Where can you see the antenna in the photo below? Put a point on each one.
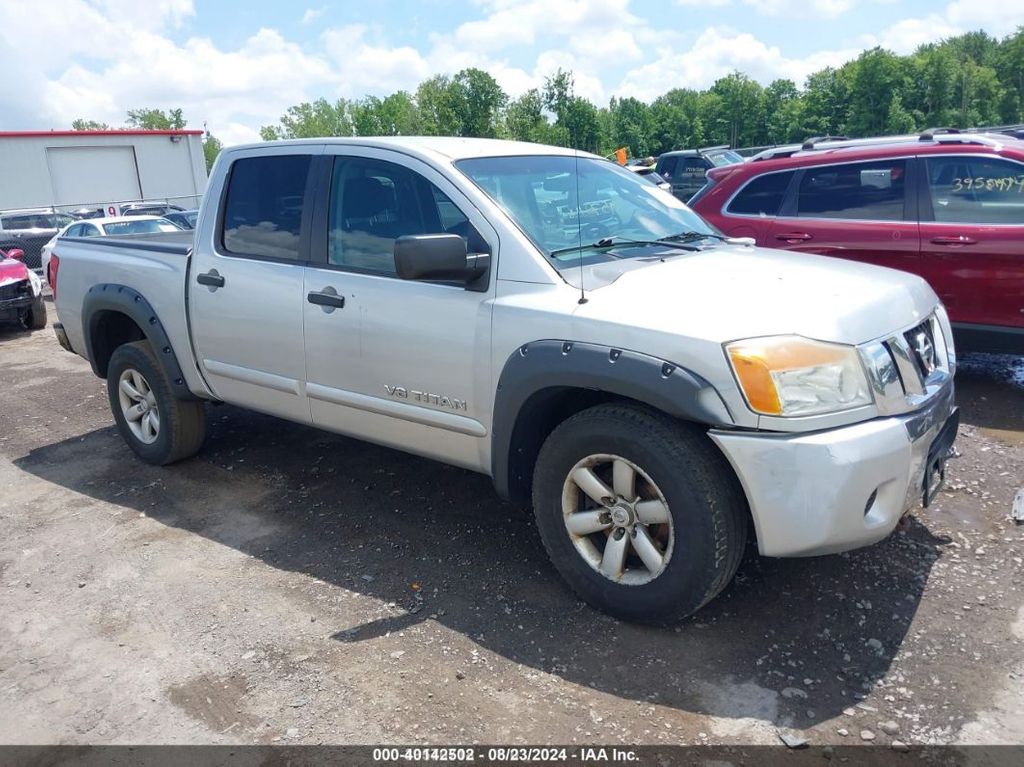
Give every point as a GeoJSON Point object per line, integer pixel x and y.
{"type": "Point", "coordinates": [579, 213]}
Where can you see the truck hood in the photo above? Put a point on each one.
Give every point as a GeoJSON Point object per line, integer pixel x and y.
{"type": "Point", "coordinates": [12, 270]}
{"type": "Point", "coordinates": [731, 292]}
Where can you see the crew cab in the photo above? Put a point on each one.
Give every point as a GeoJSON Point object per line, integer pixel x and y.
{"type": "Point", "coordinates": [945, 205]}
{"type": "Point", "coordinates": [543, 317]}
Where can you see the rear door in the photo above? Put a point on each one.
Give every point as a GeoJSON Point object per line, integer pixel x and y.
{"type": "Point", "coordinates": [861, 211]}
{"type": "Point", "coordinates": [972, 237]}
{"type": "Point", "coordinates": [246, 280]}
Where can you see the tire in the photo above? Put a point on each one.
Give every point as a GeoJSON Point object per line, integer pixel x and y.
{"type": "Point", "coordinates": [179, 427]}
{"type": "Point", "coordinates": [698, 540]}
{"type": "Point", "coordinates": [37, 315]}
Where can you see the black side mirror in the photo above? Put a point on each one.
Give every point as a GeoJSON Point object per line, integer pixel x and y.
{"type": "Point", "coordinates": [440, 257]}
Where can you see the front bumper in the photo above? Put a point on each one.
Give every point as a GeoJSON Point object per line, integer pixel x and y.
{"type": "Point", "coordinates": [838, 489]}
{"type": "Point", "coordinates": [10, 307]}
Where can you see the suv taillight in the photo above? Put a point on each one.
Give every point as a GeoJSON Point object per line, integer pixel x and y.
{"type": "Point", "coordinates": [51, 273]}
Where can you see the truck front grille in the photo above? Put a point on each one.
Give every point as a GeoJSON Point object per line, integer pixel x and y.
{"type": "Point", "coordinates": [910, 367]}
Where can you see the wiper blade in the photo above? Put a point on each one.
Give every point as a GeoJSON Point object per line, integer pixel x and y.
{"type": "Point", "coordinates": [693, 235]}
{"type": "Point", "coordinates": [612, 242]}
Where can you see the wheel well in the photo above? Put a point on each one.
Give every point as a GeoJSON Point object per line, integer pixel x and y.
{"type": "Point", "coordinates": [109, 330]}
{"type": "Point", "coordinates": [537, 418]}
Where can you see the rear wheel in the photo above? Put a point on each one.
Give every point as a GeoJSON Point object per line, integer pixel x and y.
{"type": "Point", "coordinates": [639, 512]}
{"type": "Point", "coordinates": [159, 428]}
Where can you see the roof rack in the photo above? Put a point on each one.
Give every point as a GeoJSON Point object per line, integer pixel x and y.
{"type": "Point", "coordinates": [931, 133]}
{"type": "Point", "coordinates": [814, 140]}
{"type": "Point", "coordinates": [824, 143]}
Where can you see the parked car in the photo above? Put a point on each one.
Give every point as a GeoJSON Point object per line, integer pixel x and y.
{"type": "Point", "coordinates": [28, 230]}
{"type": "Point", "coordinates": [685, 169]}
{"type": "Point", "coordinates": [647, 173]}
{"type": "Point", "coordinates": [105, 227]}
{"type": "Point", "coordinates": [947, 206]}
{"type": "Point", "coordinates": [21, 292]}
{"type": "Point", "coordinates": [186, 219]}
{"type": "Point", "coordinates": [84, 213]}
{"type": "Point", "coordinates": [149, 209]}
{"type": "Point", "coordinates": [648, 389]}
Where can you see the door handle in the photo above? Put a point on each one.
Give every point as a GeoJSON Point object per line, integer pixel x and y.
{"type": "Point", "coordinates": [794, 237]}
{"type": "Point", "coordinates": [211, 279]}
{"type": "Point", "coordinates": [323, 298]}
{"type": "Point", "coordinates": [960, 240]}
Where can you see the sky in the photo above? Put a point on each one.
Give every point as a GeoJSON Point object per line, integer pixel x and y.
{"type": "Point", "coordinates": [238, 64]}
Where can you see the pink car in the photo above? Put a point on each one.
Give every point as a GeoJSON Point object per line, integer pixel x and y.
{"type": "Point", "coordinates": [21, 293]}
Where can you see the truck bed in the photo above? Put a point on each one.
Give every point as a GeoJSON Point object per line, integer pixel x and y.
{"type": "Point", "coordinates": [171, 243]}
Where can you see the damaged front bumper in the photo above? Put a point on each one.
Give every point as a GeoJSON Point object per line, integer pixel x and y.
{"type": "Point", "coordinates": [843, 488]}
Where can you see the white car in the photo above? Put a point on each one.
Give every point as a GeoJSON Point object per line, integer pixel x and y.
{"type": "Point", "coordinates": [105, 227]}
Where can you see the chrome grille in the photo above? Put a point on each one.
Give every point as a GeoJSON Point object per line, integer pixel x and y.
{"type": "Point", "coordinates": [909, 367]}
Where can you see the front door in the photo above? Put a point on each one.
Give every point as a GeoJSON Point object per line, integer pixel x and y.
{"type": "Point", "coordinates": [246, 281]}
{"type": "Point", "coordinates": [972, 237]}
{"type": "Point", "coordinates": [859, 211]}
{"type": "Point", "coordinates": [401, 363]}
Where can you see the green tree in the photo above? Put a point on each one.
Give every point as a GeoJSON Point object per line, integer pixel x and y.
{"type": "Point", "coordinates": [312, 120]}
{"type": "Point", "coordinates": [82, 124]}
{"type": "Point", "coordinates": [211, 148]}
{"type": "Point", "coordinates": [739, 111]}
{"type": "Point", "coordinates": [477, 101]}
{"type": "Point", "coordinates": [877, 76]}
{"type": "Point", "coordinates": [156, 119]}
{"type": "Point", "coordinates": [436, 104]}
{"type": "Point", "coordinates": [631, 125]}
{"type": "Point", "coordinates": [524, 118]}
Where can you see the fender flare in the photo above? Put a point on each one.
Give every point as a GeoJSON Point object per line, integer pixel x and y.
{"type": "Point", "coordinates": [559, 364]}
{"type": "Point", "coordinates": [109, 297]}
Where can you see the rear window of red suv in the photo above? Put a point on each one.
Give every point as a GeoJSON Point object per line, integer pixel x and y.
{"type": "Point", "coordinates": [866, 191]}
{"type": "Point", "coordinates": [762, 196]}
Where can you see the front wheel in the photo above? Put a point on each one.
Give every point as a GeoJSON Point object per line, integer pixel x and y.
{"type": "Point", "coordinates": [159, 428]}
{"type": "Point", "coordinates": [639, 512]}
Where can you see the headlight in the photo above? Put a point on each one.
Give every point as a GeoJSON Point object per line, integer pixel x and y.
{"type": "Point", "coordinates": [792, 376]}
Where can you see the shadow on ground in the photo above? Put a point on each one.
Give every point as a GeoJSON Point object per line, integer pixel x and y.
{"type": "Point", "coordinates": [375, 521]}
{"type": "Point", "coordinates": [990, 391]}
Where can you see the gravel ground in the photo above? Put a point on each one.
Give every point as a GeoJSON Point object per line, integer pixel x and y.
{"type": "Point", "coordinates": [288, 585]}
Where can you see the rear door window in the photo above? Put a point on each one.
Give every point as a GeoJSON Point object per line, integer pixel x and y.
{"type": "Point", "coordinates": [761, 197]}
{"type": "Point", "coordinates": [263, 206]}
{"type": "Point", "coordinates": [976, 190]}
{"type": "Point", "coordinates": [871, 191]}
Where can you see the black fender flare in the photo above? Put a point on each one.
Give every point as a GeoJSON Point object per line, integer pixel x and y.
{"type": "Point", "coordinates": [562, 364]}
{"type": "Point", "coordinates": [109, 297]}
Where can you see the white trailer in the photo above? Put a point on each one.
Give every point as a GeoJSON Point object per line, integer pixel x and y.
{"type": "Point", "coordinates": [73, 169]}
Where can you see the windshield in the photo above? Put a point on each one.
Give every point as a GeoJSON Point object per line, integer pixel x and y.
{"type": "Point", "coordinates": [140, 227]}
{"type": "Point", "coordinates": [558, 208]}
{"type": "Point", "coordinates": [723, 157]}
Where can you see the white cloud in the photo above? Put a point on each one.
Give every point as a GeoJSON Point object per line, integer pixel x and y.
{"type": "Point", "coordinates": [818, 8]}
{"type": "Point", "coordinates": [138, 55]}
{"type": "Point", "coordinates": [957, 17]}
{"type": "Point", "coordinates": [312, 14]}
{"type": "Point", "coordinates": [717, 52]}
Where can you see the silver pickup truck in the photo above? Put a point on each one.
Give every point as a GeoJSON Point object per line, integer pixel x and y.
{"type": "Point", "coordinates": [652, 389]}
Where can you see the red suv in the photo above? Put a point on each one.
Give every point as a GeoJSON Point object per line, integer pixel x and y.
{"type": "Point", "coordinates": [947, 206]}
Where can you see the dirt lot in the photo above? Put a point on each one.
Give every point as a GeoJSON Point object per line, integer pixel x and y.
{"type": "Point", "coordinates": [288, 585]}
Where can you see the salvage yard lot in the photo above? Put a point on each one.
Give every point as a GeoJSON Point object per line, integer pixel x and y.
{"type": "Point", "coordinates": [288, 585]}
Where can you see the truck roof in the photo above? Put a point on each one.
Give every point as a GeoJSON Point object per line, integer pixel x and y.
{"type": "Point", "coordinates": [450, 147]}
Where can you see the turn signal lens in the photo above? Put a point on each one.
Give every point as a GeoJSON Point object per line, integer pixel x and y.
{"type": "Point", "coordinates": [794, 376]}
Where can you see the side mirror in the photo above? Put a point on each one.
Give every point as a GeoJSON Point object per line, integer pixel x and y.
{"type": "Point", "coordinates": [440, 257]}
{"type": "Point", "coordinates": [16, 253]}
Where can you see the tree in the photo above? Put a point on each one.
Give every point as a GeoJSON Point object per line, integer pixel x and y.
{"type": "Point", "coordinates": [435, 101]}
{"type": "Point", "coordinates": [477, 100]}
{"type": "Point", "coordinates": [211, 148]}
{"type": "Point", "coordinates": [312, 120]}
{"type": "Point", "coordinates": [156, 119]}
{"type": "Point", "coordinates": [632, 125]}
{"type": "Point", "coordinates": [740, 109]}
{"type": "Point", "coordinates": [524, 118]}
{"type": "Point", "coordinates": [82, 124]}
